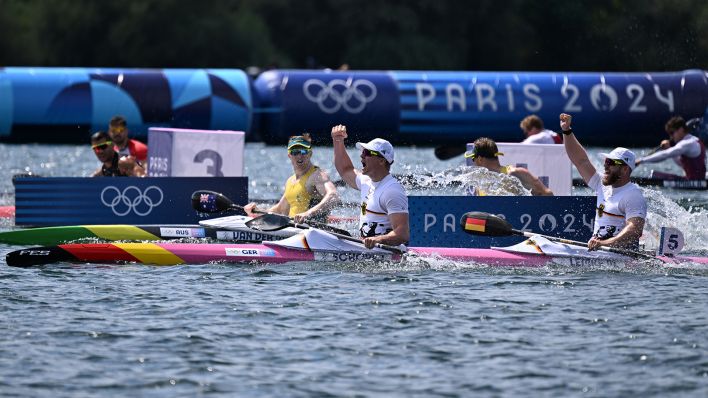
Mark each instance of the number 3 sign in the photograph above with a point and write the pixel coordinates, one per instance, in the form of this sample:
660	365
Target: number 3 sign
195	153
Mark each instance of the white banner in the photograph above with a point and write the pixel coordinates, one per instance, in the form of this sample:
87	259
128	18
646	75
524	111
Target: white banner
195	153
548	162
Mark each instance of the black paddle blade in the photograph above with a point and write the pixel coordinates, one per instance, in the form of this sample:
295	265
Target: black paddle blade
446	152
269	222
210	202
485	224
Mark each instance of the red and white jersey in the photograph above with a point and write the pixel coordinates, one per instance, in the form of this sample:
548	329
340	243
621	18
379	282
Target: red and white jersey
136	149
543	137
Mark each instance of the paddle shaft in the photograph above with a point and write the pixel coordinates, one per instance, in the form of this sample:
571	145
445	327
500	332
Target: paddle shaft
316	224
578	243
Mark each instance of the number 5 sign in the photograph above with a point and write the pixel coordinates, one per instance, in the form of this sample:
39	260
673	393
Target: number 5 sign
195	153
671	241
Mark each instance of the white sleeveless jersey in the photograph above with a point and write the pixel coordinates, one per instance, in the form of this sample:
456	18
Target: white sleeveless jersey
615	206
378	201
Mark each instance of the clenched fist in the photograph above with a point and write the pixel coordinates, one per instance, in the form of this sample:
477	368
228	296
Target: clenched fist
565	120
339	133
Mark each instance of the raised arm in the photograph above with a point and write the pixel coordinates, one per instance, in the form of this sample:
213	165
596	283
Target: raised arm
342	162
575	151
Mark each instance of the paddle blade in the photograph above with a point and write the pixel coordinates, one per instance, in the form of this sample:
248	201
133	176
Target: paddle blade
269	222
446	152
210	202
485	224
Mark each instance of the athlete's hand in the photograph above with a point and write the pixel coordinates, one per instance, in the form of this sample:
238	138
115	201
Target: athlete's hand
302	217
594	244
565	120
665	144
369	243
250	209
339	133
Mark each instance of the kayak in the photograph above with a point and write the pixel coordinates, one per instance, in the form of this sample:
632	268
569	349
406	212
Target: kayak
319	246
232	228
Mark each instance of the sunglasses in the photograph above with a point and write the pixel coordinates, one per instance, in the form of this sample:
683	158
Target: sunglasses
613	162
296	152
102	146
369	152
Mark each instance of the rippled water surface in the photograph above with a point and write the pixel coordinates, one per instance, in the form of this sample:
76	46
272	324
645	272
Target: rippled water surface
437	328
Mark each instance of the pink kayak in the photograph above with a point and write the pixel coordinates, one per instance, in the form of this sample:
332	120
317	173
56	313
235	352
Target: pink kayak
275	253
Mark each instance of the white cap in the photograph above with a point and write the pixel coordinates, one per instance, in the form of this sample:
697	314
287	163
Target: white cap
622	154
379	145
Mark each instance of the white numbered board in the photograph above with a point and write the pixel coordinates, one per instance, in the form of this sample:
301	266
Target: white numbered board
195	153
548	162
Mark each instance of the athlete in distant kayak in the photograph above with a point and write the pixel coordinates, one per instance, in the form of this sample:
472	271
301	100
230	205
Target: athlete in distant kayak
103	149
621	207
688	151
384	204
118	130
486	154
532	126
309	193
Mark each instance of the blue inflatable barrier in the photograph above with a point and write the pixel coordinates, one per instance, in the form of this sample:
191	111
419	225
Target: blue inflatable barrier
68	104
433	108
408	107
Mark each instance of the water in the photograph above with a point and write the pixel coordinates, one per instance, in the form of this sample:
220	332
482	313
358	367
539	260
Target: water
434	328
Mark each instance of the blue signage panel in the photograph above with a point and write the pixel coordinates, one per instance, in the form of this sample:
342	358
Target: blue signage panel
55	201
435	220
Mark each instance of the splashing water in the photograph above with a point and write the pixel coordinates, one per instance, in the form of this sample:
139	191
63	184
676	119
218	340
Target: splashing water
465	180
664	212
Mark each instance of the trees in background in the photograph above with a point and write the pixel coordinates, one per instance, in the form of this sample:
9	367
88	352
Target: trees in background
598	35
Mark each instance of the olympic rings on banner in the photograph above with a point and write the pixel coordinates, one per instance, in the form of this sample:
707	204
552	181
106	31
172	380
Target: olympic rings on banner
352	95
131	199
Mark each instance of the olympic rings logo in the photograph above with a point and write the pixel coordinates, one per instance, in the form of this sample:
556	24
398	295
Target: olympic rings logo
352	95
131	199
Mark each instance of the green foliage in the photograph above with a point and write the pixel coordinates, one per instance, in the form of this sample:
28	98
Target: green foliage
599	35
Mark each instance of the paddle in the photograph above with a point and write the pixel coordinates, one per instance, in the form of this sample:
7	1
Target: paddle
215	202
485	224
446	152
275	222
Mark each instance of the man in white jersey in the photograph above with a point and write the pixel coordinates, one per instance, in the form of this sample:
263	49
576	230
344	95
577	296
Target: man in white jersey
688	152
384	204
621	207
532	126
